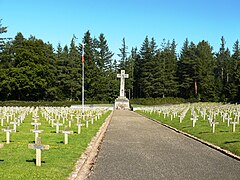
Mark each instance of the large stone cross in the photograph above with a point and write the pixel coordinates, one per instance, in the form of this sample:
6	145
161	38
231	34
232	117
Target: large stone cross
122	83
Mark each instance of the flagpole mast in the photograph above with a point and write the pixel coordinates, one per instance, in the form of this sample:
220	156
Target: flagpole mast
83	80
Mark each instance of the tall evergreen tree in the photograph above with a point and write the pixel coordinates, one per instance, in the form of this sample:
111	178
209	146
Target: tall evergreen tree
123	55
187	71
3	29
91	72
221	70
165	79
147	55
233	78
205	72
106	76
74	70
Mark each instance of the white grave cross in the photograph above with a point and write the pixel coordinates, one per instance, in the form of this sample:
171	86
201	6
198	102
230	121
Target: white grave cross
66	132
123	76
38	146
8	131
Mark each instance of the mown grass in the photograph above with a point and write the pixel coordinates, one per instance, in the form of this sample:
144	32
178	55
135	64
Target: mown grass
18	162
223	136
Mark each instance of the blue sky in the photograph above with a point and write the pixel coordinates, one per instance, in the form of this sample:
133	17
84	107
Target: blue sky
57	20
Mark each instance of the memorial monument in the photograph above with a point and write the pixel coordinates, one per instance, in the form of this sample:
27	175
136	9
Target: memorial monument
122	102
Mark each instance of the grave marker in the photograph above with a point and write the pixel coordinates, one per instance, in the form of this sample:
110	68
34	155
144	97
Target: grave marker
228	119
66	132
2	119
181	118
194	119
8	131
57	124
36	132
79	125
35	124
234	125
38	146
86	123
69	123
14	125
213	126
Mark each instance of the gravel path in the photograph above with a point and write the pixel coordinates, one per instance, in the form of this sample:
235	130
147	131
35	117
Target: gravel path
137	148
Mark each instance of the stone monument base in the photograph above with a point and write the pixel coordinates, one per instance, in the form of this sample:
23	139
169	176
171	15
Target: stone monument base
122	103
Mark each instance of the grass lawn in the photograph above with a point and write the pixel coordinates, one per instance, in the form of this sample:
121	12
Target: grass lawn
18	162
223	136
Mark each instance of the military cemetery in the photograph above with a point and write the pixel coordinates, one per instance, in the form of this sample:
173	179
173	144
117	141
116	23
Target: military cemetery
156	97
36	133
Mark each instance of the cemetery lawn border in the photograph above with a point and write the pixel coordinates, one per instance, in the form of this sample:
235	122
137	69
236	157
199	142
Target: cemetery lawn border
87	160
223	140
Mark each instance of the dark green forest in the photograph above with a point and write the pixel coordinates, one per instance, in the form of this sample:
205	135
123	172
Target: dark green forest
32	70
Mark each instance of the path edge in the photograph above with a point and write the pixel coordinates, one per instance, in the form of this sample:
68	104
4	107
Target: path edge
224	151
86	161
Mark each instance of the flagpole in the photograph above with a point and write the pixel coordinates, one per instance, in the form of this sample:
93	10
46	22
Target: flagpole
83	81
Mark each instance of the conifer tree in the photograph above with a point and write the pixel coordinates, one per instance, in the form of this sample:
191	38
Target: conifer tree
147	55
205	72
74	70
91	71
106	76
123	55
233	77
187	71
221	71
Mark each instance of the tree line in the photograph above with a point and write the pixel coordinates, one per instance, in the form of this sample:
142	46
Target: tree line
32	70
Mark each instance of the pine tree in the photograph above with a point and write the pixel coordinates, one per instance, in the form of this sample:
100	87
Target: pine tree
187	71
221	70
205	72
130	70
233	81
123	55
3	29
165	79
147	55
104	65
74	69
91	71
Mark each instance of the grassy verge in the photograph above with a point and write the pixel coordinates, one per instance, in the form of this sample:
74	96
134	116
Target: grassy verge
18	162
223	136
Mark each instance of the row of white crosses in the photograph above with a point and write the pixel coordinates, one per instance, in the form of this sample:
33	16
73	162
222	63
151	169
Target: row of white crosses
15	116
168	111
209	112
57	117
225	111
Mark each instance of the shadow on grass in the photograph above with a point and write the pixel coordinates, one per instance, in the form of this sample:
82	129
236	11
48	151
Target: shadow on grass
34	161
186	127
61	142
229	142
223	131
204	132
1	160
6	141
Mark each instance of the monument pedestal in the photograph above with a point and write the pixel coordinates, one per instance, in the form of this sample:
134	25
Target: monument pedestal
122	103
